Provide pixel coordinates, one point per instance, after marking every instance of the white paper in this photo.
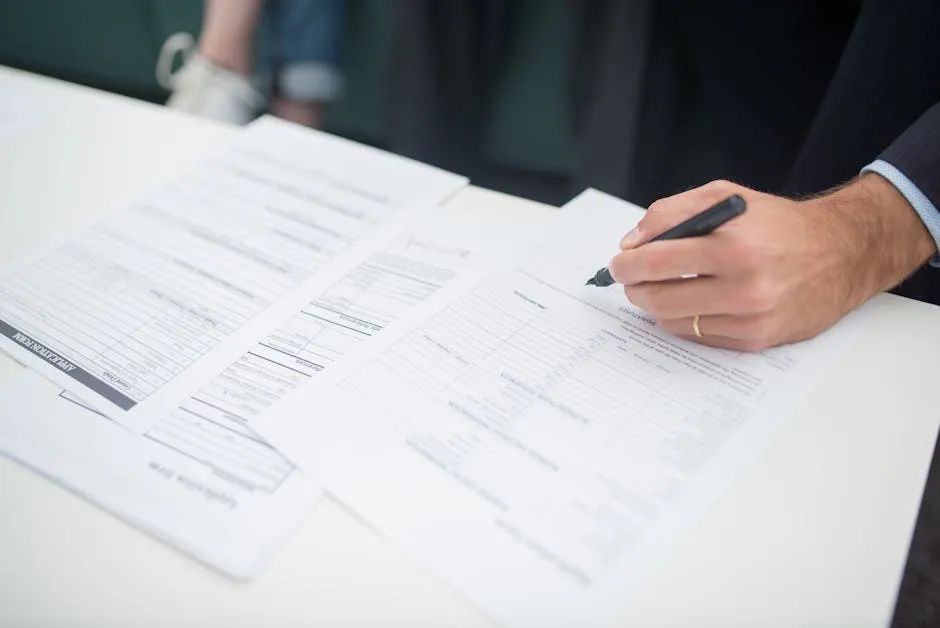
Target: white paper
(160, 294)
(537, 442)
(225, 521)
(199, 478)
(17, 111)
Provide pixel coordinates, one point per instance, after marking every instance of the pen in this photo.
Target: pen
(698, 225)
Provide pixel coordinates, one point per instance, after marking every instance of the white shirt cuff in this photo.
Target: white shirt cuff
(925, 209)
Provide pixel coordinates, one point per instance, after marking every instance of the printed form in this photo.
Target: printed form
(199, 478)
(537, 442)
(165, 291)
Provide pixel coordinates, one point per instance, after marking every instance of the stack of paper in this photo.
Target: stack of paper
(533, 441)
(174, 322)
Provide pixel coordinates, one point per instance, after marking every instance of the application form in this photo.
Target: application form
(537, 442)
(199, 478)
(127, 311)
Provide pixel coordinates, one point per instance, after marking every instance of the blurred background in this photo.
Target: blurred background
(537, 98)
(114, 45)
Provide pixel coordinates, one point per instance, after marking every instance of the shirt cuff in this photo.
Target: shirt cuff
(925, 209)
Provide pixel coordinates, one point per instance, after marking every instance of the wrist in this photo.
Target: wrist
(880, 238)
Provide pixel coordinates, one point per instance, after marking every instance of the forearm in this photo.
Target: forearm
(876, 232)
(912, 164)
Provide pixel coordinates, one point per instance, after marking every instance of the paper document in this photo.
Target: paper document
(182, 497)
(18, 109)
(10, 120)
(151, 298)
(199, 478)
(537, 442)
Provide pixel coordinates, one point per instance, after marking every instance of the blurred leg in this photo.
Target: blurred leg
(305, 112)
(228, 33)
(215, 79)
(305, 46)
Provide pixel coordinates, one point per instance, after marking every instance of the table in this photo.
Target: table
(813, 533)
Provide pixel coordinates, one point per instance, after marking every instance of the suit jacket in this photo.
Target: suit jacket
(916, 153)
(875, 104)
(791, 97)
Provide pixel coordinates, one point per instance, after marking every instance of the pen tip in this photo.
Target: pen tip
(590, 282)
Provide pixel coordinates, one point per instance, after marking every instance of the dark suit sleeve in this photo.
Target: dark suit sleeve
(912, 164)
(916, 153)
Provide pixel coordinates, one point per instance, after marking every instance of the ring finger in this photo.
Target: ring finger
(684, 298)
(753, 329)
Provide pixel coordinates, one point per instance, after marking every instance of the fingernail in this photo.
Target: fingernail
(631, 239)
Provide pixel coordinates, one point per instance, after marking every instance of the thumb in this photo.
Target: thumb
(668, 212)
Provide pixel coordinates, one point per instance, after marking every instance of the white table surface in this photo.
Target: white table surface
(813, 533)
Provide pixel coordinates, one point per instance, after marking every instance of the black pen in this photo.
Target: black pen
(698, 225)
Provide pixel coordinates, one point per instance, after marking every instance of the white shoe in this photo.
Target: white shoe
(204, 88)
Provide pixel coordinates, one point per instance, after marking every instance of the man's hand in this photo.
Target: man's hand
(782, 272)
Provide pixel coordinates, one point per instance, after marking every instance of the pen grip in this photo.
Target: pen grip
(707, 221)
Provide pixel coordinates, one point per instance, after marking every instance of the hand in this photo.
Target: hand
(782, 272)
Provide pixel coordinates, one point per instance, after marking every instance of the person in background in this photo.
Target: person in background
(216, 80)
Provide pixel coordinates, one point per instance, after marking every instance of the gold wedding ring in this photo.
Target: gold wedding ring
(695, 327)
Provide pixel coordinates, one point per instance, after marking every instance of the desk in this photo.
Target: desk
(813, 533)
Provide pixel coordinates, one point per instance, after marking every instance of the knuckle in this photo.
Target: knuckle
(656, 218)
(722, 258)
(653, 262)
(720, 185)
(761, 295)
(655, 208)
(749, 254)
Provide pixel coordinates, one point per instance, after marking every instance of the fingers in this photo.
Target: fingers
(662, 261)
(735, 294)
(742, 333)
(702, 295)
(681, 298)
(668, 212)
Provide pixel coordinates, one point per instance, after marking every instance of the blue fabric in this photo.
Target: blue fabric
(305, 41)
(922, 205)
